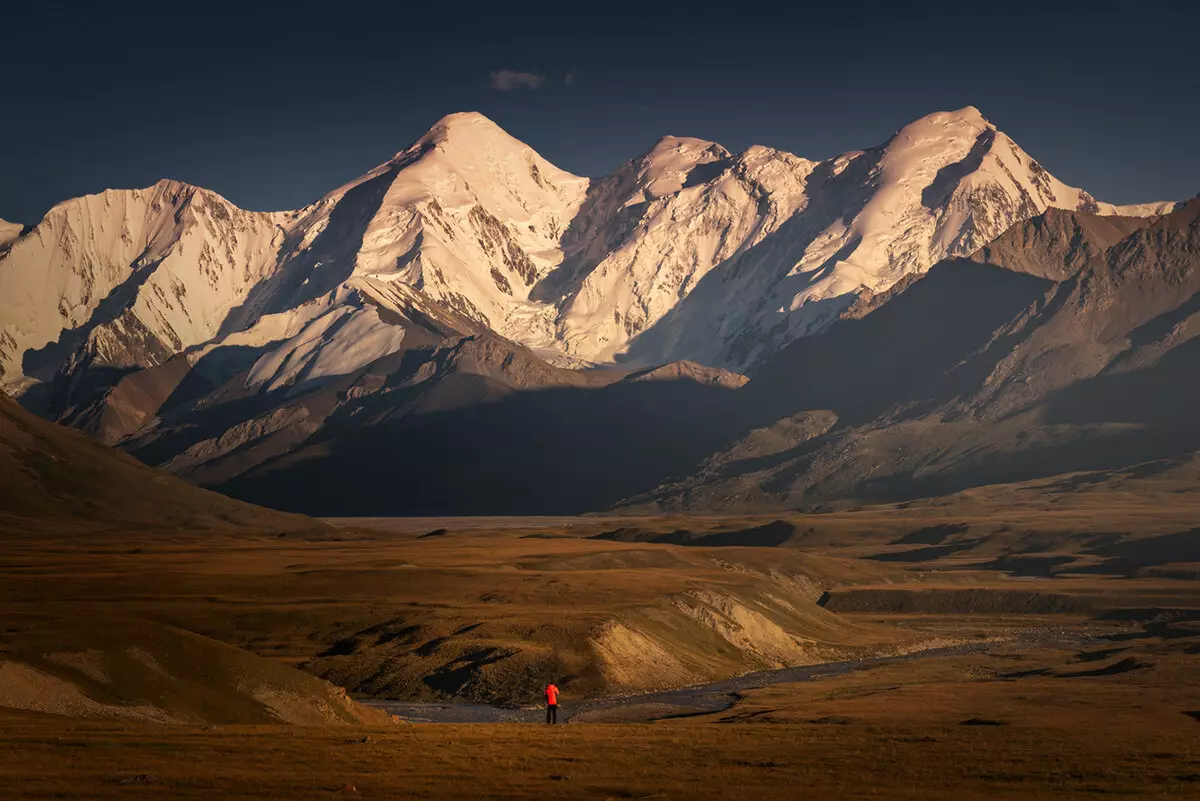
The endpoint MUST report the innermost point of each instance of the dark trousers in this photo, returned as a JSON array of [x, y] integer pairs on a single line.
[[552, 713]]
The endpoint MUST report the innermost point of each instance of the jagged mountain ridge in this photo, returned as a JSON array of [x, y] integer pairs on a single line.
[[818, 235], [246, 350], [750, 249]]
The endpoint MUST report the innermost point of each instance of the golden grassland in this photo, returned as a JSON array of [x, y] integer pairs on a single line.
[[915, 758], [1133, 685], [489, 608]]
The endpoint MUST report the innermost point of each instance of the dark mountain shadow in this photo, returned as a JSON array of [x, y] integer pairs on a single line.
[[1106, 422], [925, 554], [927, 353], [768, 535], [1067, 451], [1128, 557], [83, 385], [755, 464], [1115, 669], [933, 342], [908, 351], [547, 451], [1163, 395], [1161, 326], [931, 535], [1025, 566], [186, 425], [213, 401], [128, 401]]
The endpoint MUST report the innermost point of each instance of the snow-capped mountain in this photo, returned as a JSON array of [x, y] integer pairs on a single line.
[[127, 278], [472, 218], [411, 310], [820, 234], [687, 252]]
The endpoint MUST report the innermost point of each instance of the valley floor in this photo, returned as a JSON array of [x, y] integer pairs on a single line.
[[1045, 650], [1112, 713]]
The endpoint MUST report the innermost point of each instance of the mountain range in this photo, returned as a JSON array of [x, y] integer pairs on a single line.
[[469, 328]]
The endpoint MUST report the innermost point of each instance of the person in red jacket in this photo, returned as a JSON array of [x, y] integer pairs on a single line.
[[551, 703]]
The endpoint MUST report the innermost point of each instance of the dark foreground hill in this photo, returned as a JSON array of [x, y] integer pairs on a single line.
[[55, 474], [143, 671], [59, 487]]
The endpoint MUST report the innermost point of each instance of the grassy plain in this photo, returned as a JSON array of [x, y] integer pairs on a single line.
[[913, 759], [488, 608]]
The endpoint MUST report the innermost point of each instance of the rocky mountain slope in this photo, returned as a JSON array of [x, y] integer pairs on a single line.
[[1068, 344]]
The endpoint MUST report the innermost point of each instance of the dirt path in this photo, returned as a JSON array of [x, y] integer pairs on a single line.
[[700, 699]]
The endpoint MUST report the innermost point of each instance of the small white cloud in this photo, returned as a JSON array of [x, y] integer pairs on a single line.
[[511, 80]]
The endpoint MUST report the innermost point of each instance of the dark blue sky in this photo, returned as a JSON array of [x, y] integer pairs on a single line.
[[272, 107]]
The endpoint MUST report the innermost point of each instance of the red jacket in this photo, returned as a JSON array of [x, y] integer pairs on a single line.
[[551, 695]]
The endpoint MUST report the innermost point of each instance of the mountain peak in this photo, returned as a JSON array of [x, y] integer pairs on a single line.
[[684, 148], [468, 137], [969, 113], [175, 185], [670, 142], [469, 131], [665, 168], [965, 122], [460, 122]]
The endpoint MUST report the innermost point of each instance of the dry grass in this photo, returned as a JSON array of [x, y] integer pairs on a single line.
[[134, 670], [379, 607], [490, 608], [1140, 687], [485, 614], [47, 759]]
